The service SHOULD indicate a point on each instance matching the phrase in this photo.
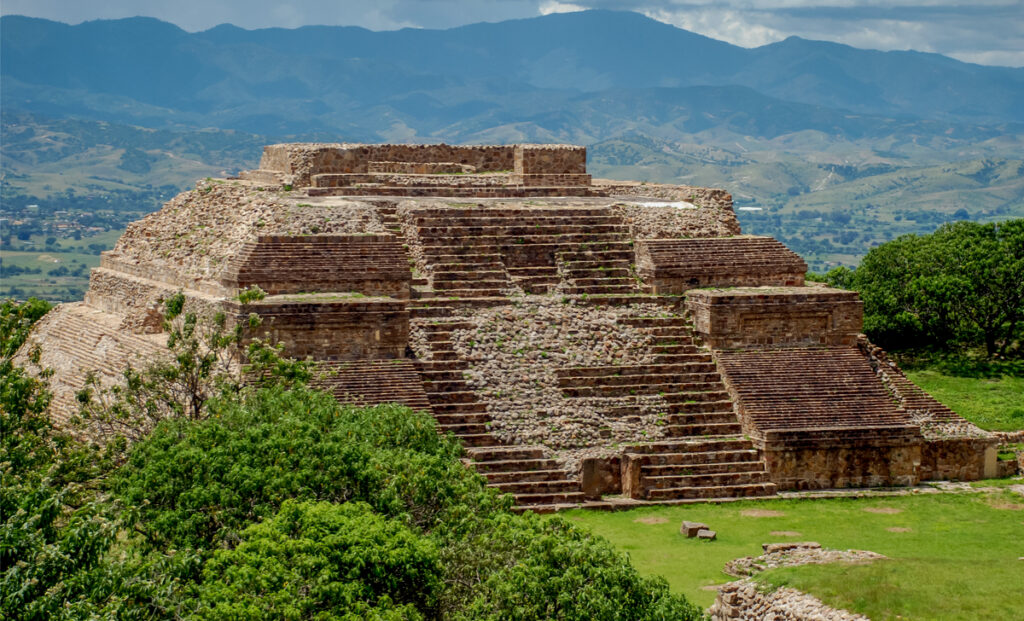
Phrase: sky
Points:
(988, 32)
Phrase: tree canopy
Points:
(961, 286)
(277, 502)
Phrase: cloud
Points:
(547, 8)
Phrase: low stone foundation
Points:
(761, 317)
(806, 460)
(329, 326)
(674, 266)
(745, 600)
(959, 459)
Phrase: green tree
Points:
(206, 358)
(318, 560)
(962, 285)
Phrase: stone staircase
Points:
(696, 469)
(599, 268)
(702, 454)
(810, 389)
(373, 382)
(718, 261)
(305, 263)
(529, 473)
(481, 252)
(80, 338)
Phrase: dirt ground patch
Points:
(651, 520)
(883, 510)
(784, 533)
(1006, 505)
(761, 513)
(898, 529)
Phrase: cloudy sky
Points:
(983, 31)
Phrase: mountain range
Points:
(774, 124)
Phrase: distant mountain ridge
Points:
(427, 84)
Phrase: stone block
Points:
(766, 317)
(690, 529)
(707, 534)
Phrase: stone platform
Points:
(581, 338)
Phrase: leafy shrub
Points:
(199, 484)
(325, 561)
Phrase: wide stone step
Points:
(649, 380)
(457, 419)
(601, 281)
(517, 466)
(467, 275)
(594, 289)
(555, 229)
(505, 453)
(445, 386)
(666, 470)
(703, 418)
(690, 397)
(599, 272)
(441, 398)
(644, 370)
(702, 480)
(567, 498)
(471, 240)
(445, 287)
(749, 490)
(458, 408)
(702, 429)
(703, 445)
(696, 456)
(524, 476)
(466, 292)
(562, 486)
(478, 440)
(464, 428)
(643, 389)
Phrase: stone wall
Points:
(190, 240)
(673, 266)
(959, 459)
(421, 168)
(865, 457)
(647, 209)
(761, 317)
(330, 327)
(138, 302)
(549, 159)
(374, 265)
(299, 161)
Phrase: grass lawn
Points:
(996, 404)
(68, 253)
(953, 556)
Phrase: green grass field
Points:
(952, 556)
(996, 404)
(67, 253)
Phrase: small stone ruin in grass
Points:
(698, 530)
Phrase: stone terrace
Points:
(551, 323)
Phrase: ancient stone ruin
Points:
(588, 341)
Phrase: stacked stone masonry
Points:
(374, 265)
(538, 314)
(674, 266)
(764, 317)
